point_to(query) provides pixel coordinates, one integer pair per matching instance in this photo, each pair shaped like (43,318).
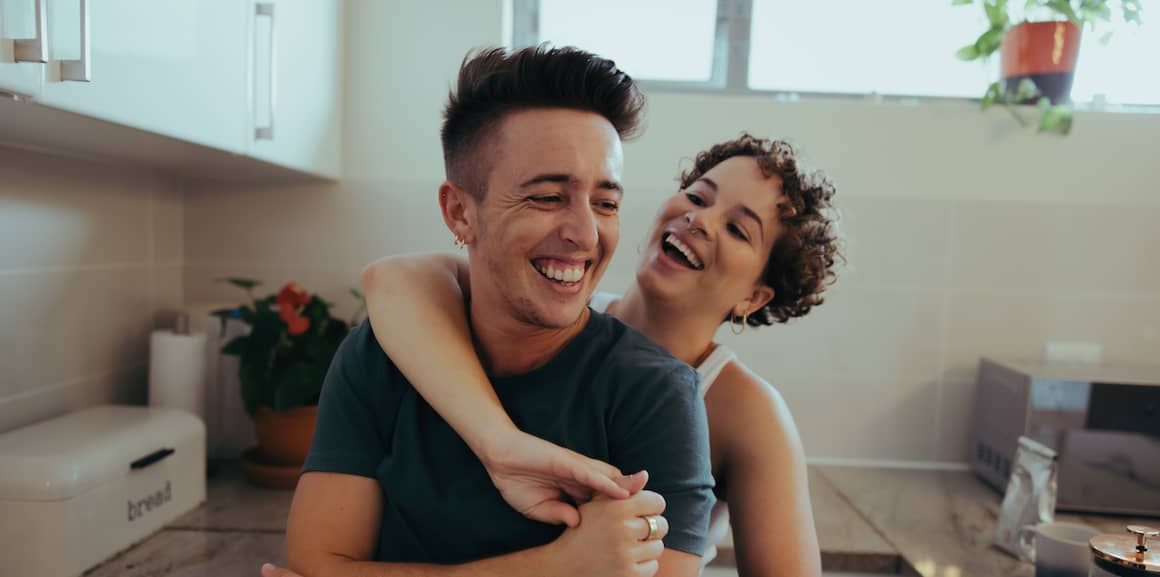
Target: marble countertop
(928,523)
(942,522)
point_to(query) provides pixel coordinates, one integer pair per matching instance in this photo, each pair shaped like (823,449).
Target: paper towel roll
(177,367)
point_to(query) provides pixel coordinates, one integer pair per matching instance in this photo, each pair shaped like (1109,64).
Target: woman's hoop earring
(733,323)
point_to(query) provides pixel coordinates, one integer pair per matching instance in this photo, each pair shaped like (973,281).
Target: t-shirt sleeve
(662,427)
(352,409)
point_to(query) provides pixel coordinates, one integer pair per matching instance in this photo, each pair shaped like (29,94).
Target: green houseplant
(283,360)
(1038,42)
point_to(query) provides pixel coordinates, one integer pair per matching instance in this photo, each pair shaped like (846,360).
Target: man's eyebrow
(560,178)
(557,178)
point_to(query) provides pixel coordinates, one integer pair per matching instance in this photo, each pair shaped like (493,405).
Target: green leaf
(241,282)
(299,386)
(1105,38)
(996,14)
(1043,104)
(1026,90)
(1131,10)
(236,346)
(1063,7)
(961,2)
(994,92)
(989,42)
(1056,119)
(967,53)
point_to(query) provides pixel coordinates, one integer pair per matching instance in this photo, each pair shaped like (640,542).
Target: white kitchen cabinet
(21,38)
(172,67)
(245,80)
(296,85)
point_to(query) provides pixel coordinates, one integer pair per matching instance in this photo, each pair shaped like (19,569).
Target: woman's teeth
(564,275)
(676,243)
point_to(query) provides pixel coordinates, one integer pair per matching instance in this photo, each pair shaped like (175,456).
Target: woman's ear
(761,296)
(458,208)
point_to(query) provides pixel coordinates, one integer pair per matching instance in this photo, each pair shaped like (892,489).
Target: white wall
(965,237)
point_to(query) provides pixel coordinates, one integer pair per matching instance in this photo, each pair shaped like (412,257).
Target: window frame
(730,68)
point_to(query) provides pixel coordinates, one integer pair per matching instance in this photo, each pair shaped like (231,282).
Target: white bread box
(77,489)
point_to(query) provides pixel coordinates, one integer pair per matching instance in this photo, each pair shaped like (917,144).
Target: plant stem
(1015,114)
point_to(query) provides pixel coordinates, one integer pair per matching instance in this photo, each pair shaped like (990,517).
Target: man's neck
(508,346)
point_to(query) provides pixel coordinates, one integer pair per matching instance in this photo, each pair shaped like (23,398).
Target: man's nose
(579,226)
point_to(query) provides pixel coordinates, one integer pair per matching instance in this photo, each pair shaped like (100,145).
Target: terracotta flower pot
(1046,53)
(284,438)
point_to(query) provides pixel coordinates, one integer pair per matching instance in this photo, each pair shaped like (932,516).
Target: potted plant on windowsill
(283,360)
(1038,50)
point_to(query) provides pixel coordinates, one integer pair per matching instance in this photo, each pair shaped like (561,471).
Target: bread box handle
(149,459)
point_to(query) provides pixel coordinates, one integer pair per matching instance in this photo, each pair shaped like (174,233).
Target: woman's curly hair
(801,264)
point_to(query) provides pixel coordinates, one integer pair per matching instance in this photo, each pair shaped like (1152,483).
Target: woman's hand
(615,539)
(537,477)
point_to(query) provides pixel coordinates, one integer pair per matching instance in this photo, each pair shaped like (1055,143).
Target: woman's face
(710,242)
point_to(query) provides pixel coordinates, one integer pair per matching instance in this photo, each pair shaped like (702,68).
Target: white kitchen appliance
(77,489)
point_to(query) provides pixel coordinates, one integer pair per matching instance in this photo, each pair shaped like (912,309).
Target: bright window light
(843,46)
(649,39)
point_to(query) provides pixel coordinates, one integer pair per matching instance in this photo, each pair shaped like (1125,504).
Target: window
(677,47)
(838,46)
(890,47)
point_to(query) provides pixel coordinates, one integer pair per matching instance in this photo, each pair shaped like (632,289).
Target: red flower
(293,295)
(290,300)
(297,325)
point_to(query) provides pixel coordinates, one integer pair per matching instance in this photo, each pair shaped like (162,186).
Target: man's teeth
(568,275)
(685,250)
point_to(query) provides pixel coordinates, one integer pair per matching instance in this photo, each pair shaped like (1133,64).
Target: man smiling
(532,149)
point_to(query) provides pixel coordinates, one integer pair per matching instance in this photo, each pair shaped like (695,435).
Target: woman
(748,240)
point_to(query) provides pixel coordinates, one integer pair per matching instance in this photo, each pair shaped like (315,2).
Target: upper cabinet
(256,79)
(23,46)
(296,80)
(174,67)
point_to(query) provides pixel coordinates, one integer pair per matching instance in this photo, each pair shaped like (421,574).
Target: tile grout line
(70,382)
(944,331)
(113,266)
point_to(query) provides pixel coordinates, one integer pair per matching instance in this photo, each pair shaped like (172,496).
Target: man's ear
(458,208)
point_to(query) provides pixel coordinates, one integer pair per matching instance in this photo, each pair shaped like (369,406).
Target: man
(532,149)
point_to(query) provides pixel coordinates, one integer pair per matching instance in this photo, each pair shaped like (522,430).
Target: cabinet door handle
(79,70)
(34,49)
(266,131)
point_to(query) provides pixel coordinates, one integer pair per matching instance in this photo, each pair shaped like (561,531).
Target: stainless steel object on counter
(1104,422)
(1126,555)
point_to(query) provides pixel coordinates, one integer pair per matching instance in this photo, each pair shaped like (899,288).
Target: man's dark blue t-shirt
(611,394)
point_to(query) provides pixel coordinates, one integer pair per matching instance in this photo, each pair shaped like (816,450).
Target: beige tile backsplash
(92,257)
(90,263)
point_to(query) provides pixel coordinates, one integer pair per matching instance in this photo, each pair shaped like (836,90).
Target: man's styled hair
(801,264)
(494,82)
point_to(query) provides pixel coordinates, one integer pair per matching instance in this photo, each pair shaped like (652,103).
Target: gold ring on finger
(654,528)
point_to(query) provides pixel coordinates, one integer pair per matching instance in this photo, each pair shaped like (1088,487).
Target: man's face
(548,223)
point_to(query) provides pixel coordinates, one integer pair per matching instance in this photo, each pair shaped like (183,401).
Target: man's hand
(614,539)
(536,477)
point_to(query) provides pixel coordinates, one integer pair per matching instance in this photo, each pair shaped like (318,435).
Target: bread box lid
(66,456)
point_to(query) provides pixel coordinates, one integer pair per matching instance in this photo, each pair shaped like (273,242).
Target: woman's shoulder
(746,408)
